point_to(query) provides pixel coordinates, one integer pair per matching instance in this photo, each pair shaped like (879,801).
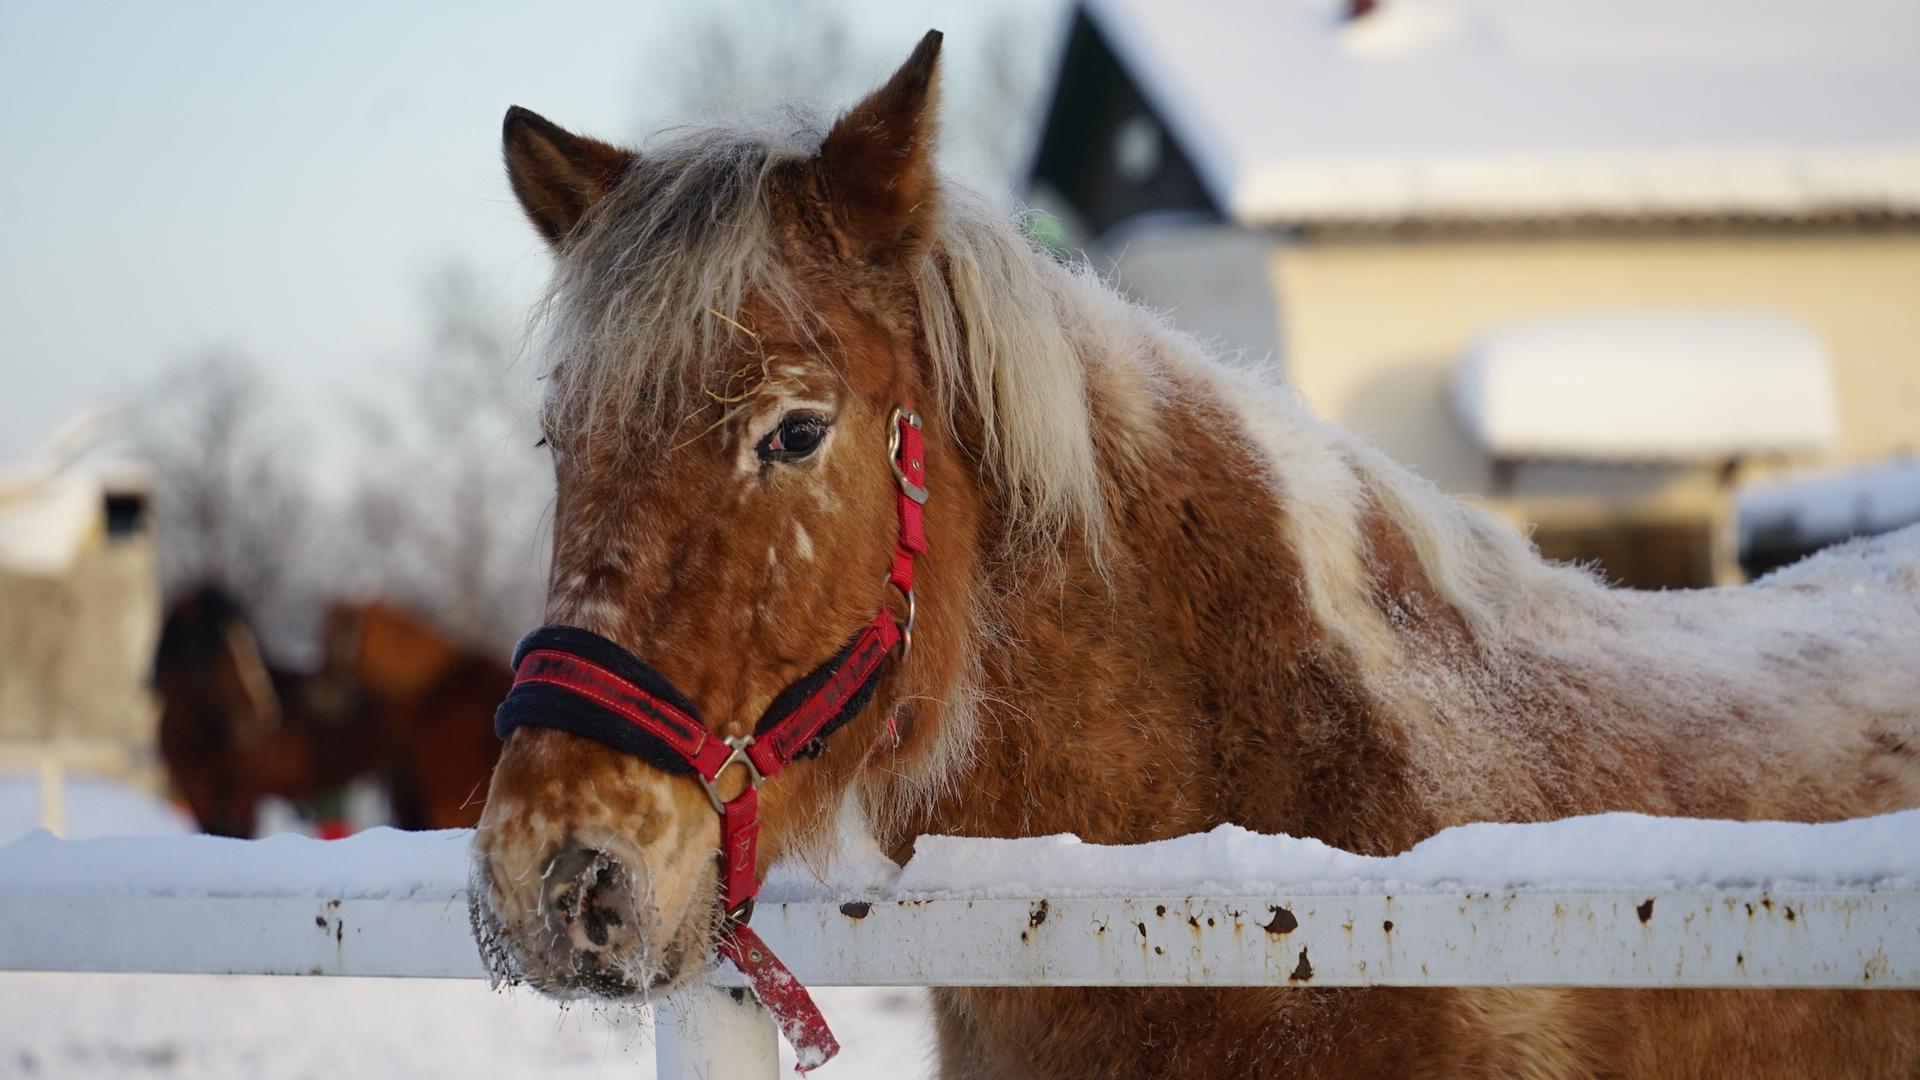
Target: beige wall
(76,650)
(1370,331)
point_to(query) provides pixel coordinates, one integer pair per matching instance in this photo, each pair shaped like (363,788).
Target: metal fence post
(709,1033)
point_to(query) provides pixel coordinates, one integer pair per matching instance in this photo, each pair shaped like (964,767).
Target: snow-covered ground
(263,1028)
(94,807)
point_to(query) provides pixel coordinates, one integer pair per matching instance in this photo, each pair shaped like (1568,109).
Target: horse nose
(588,903)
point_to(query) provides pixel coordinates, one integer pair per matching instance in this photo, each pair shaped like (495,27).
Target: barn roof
(1473,109)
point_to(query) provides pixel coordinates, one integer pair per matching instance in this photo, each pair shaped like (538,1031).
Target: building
(79,609)
(1602,263)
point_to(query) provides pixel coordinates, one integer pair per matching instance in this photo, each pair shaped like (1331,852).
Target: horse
(1157,594)
(393,700)
(436,698)
(234,728)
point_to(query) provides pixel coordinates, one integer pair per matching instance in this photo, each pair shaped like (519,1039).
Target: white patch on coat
(600,615)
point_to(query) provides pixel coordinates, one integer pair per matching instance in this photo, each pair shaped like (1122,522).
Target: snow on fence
(1615,900)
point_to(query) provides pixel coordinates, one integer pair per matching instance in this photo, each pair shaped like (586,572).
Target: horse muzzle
(580,897)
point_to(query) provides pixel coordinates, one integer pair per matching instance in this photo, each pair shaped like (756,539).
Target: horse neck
(397,659)
(1218,658)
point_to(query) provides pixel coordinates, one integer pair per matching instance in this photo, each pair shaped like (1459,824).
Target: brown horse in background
(435,699)
(393,701)
(1158,595)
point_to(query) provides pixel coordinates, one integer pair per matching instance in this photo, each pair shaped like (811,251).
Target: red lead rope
(766,754)
(792,1007)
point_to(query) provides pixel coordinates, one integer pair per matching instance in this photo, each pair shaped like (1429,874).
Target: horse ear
(876,165)
(557,175)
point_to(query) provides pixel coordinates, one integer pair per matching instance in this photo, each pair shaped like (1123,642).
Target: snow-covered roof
(43,528)
(1647,386)
(1825,505)
(1468,109)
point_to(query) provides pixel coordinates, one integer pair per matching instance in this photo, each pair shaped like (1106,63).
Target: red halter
(573,680)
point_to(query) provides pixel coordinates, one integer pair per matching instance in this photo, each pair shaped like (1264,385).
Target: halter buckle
(907,487)
(738,744)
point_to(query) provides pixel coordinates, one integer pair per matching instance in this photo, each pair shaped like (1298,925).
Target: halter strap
(576,681)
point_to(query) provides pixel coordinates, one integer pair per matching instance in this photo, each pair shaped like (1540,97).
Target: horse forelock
(644,305)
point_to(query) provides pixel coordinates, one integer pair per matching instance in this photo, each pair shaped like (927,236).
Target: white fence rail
(1691,938)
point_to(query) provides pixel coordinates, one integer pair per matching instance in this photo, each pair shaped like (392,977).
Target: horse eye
(798,435)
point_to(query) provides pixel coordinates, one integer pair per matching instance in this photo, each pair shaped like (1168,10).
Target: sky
(282,179)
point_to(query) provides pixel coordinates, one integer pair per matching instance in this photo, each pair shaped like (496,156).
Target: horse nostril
(587,898)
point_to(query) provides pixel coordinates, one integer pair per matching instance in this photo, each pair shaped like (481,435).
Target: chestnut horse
(234,728)
(435,699)
(394,701)
(1159,596)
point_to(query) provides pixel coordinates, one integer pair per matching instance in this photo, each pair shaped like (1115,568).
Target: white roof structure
(1647,387)
(1828,504)
(44,528)
(1470,109)
(53,505)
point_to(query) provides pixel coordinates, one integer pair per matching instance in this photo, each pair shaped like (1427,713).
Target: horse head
(737,341)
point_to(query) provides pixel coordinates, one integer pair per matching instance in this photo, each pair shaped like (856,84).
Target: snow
(1648,385)
(44,526)
(378,863)
(1830,504)
(1599,852)
(95,807)
(1603,851)
(1478,108)
(224,1027)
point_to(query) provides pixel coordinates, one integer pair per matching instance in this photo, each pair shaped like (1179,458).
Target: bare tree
(749,56)
(451,494)
(229,506)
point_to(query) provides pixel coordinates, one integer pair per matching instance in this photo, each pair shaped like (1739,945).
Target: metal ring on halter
(739,744)
(906,625)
